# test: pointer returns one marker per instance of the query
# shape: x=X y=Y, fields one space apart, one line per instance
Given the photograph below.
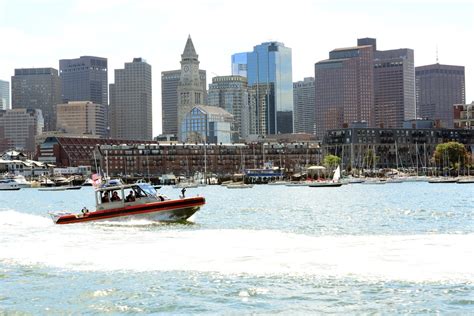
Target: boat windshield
x=148 y=189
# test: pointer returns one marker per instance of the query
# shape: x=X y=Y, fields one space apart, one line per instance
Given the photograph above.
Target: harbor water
x=398 y=248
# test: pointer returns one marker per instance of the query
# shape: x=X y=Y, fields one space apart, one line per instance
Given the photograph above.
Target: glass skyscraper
x=270 y=65
x=239 y=64
x=4 y=95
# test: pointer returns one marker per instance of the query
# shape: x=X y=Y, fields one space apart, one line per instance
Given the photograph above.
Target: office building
x=464 y=116
x=239 y=64
x=231 y=94
x=131 y=106
x=191 y=91
x=82 y=117
x=84 y=79
x=438 y=88
x=270 y=64
x=18 y=129
x=303 y=100
x=4 y=95
x=37 y=88
x=210 y=124
x=344 y=89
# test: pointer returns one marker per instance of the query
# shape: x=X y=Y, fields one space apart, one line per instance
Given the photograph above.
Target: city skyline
x=157 y=31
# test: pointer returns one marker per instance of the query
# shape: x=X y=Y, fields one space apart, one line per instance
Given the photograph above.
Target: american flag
x=96 y=180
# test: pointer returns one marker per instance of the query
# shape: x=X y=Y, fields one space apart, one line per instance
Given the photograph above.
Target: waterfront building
x=209 y=124
x=190 y=88
x=304 y=104
x=464 y=116
x=270 y=65
x=239 y=64
x=37 y=88
x=405 y=148
x=84 y=79
x=438 y=88
x=231 y=94
x=18 y=129
x=4 y=95
x=82 y=117
x=131 y=102
x=344 y=89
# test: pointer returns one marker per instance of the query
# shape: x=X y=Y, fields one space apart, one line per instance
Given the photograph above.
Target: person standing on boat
x=183 y=191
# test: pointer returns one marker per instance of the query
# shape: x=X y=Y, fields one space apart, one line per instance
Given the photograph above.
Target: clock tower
x=190 y=88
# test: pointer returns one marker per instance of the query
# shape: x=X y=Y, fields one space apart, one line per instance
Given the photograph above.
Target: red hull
x=154 y=207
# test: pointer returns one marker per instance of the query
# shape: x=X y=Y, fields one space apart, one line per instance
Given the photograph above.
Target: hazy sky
x=37 y=33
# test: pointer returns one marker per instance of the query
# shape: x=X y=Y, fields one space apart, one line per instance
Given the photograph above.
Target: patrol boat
x=142 y=202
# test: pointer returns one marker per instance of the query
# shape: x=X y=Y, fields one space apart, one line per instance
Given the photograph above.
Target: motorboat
x=239 y=185
x=185 y=185
x=142 y=202
x=88 y=183
x=443 y=180
x=8 y=185
x=466 y=180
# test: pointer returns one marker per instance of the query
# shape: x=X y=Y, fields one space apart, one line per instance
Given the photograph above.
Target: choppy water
x=394 y=248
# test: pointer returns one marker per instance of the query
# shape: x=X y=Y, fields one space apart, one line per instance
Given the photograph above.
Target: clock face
x=186 y=68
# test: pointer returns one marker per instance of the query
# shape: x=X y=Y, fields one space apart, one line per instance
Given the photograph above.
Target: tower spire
x=189 y=51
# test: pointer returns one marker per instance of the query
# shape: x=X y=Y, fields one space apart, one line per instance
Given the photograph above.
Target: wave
x=34 y=240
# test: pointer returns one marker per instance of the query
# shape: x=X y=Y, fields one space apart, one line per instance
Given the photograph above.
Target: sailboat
x=328 y=183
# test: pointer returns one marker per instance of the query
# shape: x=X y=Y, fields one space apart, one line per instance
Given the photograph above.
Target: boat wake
x=34 y=240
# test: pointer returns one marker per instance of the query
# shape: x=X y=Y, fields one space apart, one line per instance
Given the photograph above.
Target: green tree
x=451 y=155
x=331 y=161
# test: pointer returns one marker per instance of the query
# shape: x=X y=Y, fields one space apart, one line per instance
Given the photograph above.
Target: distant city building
x=438 y=88
x=261 y=100
x=131 y=102
x=270 y=64
x=303 y=100
x=84 y=79
x=394 y=86
x=4 y=95
x=190 y=88
x=37 y=88
x=210 y=124
x=239 y=64
x=231 y=94
x=344 y=89
x=82 y=117
x=18 y=129
x=464 y=116
x=169 y=98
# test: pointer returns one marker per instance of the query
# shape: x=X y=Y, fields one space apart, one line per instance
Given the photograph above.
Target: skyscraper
x=438 y=88
x=344 y=88
x=303 y=100
x=18 y=129
x=239 y=64
x=190 y=89
x=169 y=98
x=131 y=106
x=84 y=79
x=82 y=117
x=4 y=95
x=37 y=88
x=231 y=94
x=270 y=64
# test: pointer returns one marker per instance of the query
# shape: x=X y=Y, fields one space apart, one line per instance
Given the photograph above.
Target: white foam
x=29 y=239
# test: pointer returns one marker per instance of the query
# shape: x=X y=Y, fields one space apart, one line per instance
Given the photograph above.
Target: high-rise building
x=84 y=79
x=303 y=100
x=82 y=117
x=131 y=106
x=190 y=88
x=37 y=88
x=270 y=64
x=4 y=95
x=231 y=94
x=344 y=89
x=210 y=124
x=261 y=98
x=18 y=129
x=169 y=98
x=438 y=88
x=394 y=87
x=239 y=64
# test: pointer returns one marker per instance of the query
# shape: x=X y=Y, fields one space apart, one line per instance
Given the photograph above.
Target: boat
x=143 y=202
x=329 y=183
x=443 y=180
x=279 y=183
x=466 y=180
x=239 y=186
x=88 y=183
x=298 y=184
x=8 y=185
x=61 y=188
x=186 y=185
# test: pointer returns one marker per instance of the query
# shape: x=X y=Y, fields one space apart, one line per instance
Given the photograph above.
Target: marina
x=267 y=249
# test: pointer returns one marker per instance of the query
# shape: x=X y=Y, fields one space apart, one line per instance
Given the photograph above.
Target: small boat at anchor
x=142 y=202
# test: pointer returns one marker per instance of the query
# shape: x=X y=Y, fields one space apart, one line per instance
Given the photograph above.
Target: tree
x=451 y=155
x=331 y=161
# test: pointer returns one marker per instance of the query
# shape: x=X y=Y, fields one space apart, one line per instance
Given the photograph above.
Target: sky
x=37 y=33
